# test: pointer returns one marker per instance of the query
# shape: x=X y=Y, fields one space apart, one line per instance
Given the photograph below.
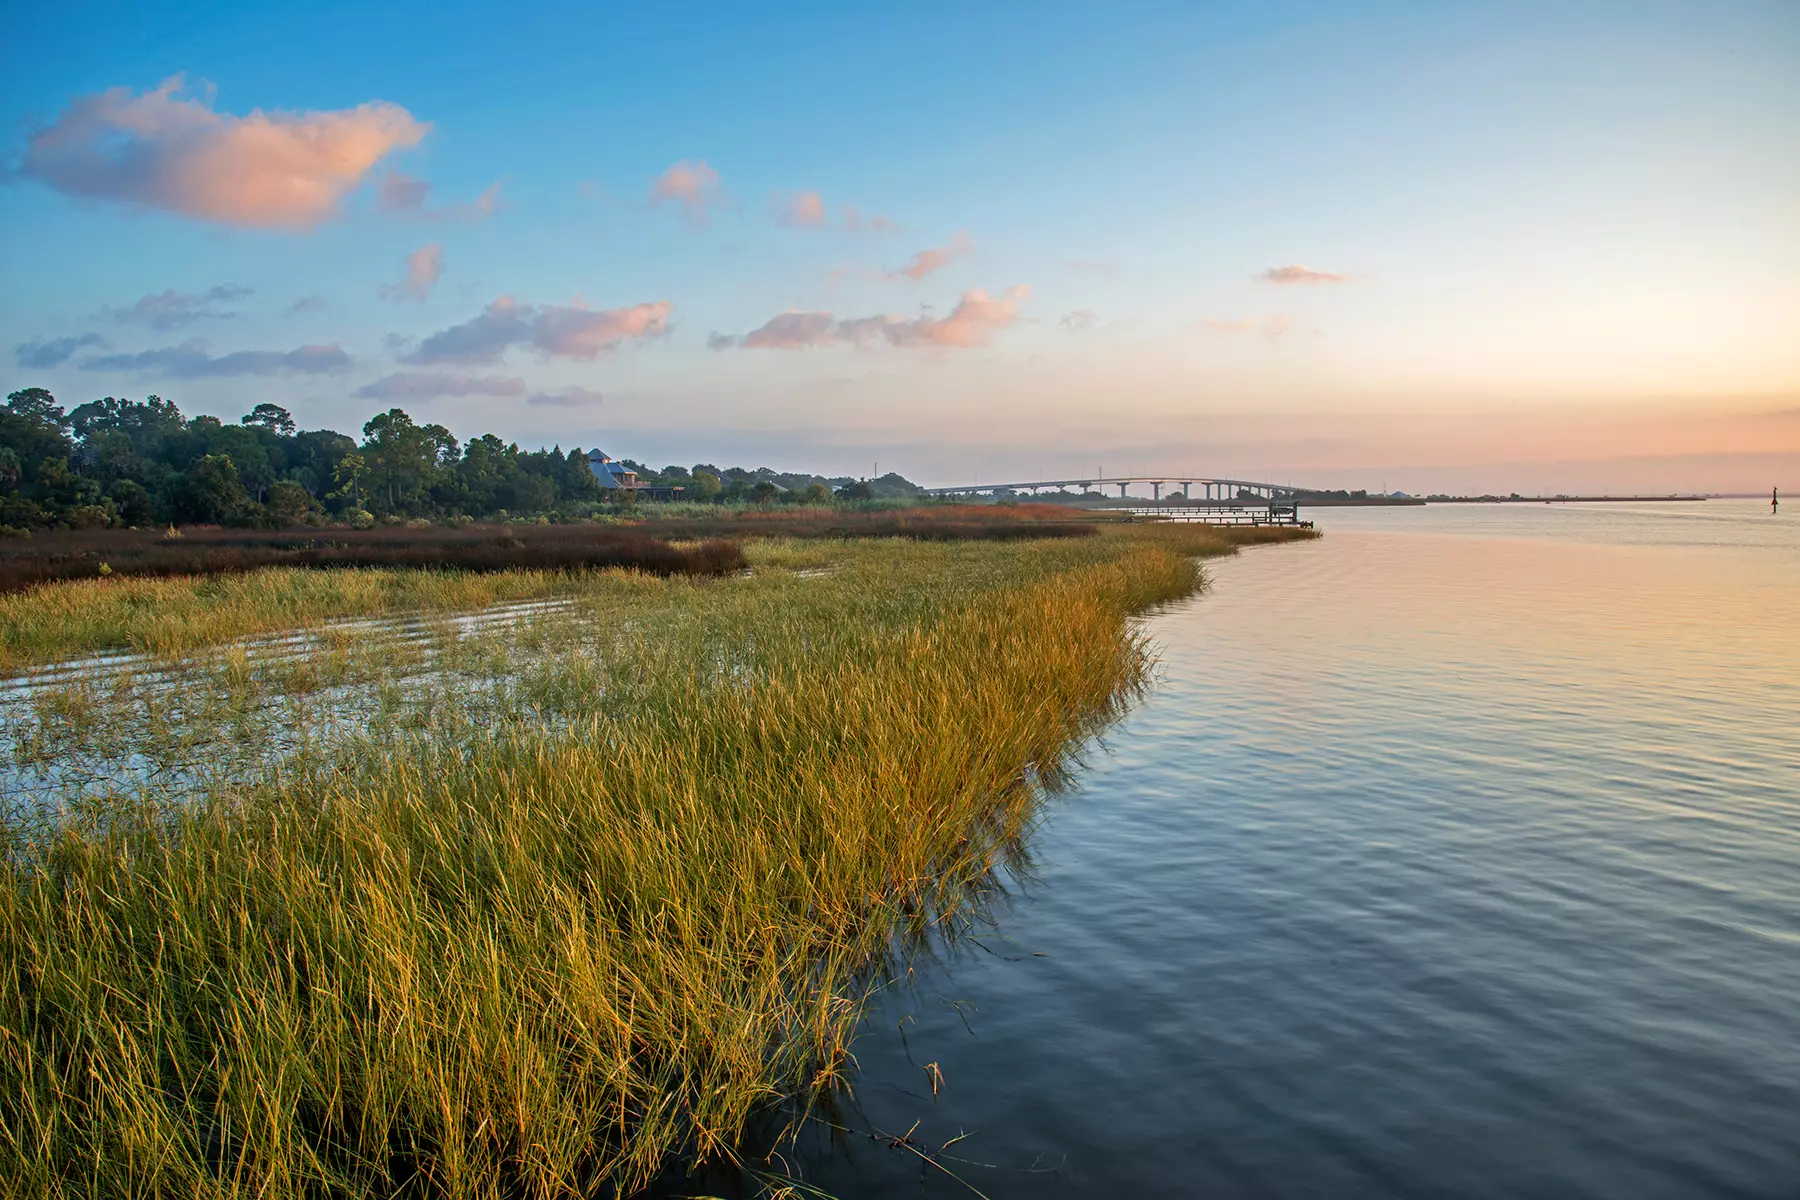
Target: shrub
x=290 y=504
x=70 y=555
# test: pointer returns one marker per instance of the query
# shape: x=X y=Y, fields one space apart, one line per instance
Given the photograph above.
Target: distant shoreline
x=1094 y=504
x=1557 y=499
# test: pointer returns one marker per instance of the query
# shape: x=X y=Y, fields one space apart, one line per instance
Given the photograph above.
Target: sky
x=1425 y=247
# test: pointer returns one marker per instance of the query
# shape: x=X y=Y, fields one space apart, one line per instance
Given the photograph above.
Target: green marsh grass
x=577 y=906
x=174 y=616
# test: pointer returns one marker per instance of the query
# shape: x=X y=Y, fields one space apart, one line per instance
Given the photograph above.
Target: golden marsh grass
x=549 y=941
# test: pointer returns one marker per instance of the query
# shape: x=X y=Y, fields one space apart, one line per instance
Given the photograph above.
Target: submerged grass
x=167 y=617
x=551 y=953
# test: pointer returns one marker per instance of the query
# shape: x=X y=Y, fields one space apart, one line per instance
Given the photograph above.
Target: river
x=1454 y=854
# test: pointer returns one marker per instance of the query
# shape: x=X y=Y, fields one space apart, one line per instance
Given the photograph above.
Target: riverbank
x=580 y=896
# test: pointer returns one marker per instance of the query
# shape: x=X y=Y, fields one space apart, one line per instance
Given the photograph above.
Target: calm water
x=1458 y=854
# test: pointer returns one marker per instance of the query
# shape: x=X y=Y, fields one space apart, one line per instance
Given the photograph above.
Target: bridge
x=1221 y=501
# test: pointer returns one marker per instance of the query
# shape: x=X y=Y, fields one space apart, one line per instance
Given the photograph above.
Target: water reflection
x=1441 y=863
x=76 y=731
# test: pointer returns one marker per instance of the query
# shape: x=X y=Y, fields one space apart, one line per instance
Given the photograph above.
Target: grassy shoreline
x=550 y=954
x=166 y=598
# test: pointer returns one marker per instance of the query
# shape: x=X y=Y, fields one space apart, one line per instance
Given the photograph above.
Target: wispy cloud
x=874 y=222
x=802 y=210
x=934 y=259
x=164 y=149
x=1096 y=266
x=974 y=321
x=1299 y=274
x=693 y=186
x=171 y=309
x=1079 y=320
x=553 y=330
x=306 y=304
x=429 y=385
x=193 y=360
x=569 y=397
x=407 y=196
x=808 y=210
x=400 y=192
x=424 y=267
x=42 y=353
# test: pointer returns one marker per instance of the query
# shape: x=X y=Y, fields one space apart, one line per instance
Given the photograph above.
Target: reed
x=598 y=930
x=178 y=615
x=168 y=597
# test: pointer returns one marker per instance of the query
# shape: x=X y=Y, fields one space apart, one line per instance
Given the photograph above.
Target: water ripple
x=1457 y=854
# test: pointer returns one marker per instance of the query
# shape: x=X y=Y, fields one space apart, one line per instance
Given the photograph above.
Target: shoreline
x=588 y=894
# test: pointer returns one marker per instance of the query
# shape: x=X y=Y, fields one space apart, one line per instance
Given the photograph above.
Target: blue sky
x=1314 y=240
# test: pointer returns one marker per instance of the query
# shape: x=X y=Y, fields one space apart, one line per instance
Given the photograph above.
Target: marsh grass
x=164 y=613
x=168 y=618
x=578 y=899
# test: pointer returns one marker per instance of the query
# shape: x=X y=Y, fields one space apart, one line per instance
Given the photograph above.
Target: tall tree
x=36 y=403
x=393 y=448
x=271 y=417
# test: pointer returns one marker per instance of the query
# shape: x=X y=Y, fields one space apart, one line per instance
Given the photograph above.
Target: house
x=612 y=475
x=617 y=478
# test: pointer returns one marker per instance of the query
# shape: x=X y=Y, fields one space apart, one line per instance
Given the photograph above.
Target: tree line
x=130 y=463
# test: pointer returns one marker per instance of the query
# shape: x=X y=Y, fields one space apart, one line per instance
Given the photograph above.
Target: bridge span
x=1214 y=489
x=1220 y=502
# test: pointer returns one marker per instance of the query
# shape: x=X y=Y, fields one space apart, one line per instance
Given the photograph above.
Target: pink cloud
x=405 y=195
x=428 y=385
x=793 y=331
x=803 y=210
x=974 y=321
x=582 y=333
x=1299 y=274
x=926 y=261
x=555 y=331
x=692 y=185
x=424 y=267
x=161 y=149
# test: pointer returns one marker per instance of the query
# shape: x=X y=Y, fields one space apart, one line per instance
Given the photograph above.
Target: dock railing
x=1230 y=513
